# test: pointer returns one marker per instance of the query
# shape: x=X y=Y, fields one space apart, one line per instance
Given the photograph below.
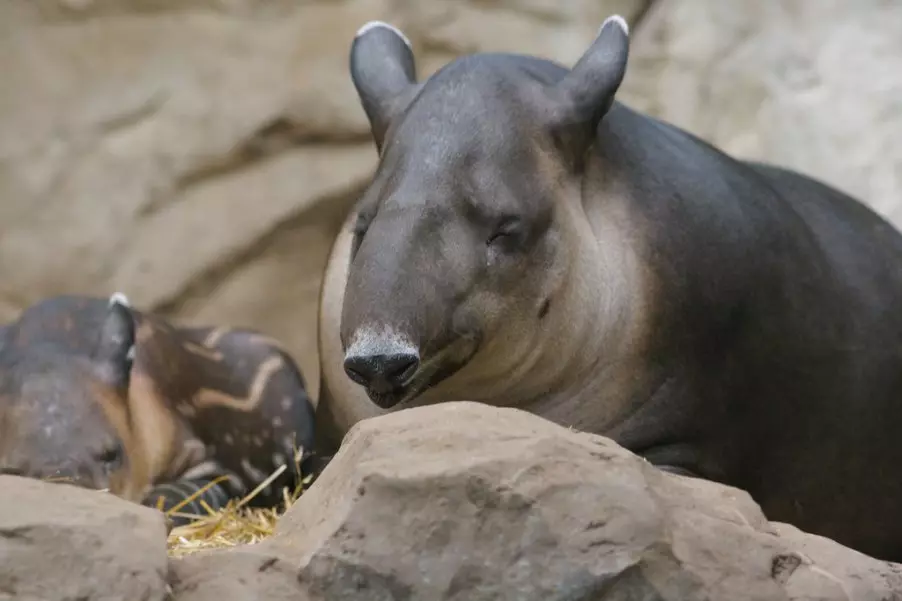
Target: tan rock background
x=198 y=155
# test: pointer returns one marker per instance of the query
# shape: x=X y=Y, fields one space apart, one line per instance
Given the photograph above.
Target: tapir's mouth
x=441 y=366
x=387 y=400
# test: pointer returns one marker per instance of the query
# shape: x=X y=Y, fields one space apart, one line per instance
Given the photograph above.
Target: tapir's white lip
x=431 y=370
x=463 y=348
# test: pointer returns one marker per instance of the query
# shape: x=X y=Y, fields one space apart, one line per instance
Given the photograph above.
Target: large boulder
x=199 y=155
x=61 y=542
x=466 y=501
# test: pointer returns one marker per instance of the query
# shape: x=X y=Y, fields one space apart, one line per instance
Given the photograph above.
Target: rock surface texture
x=454 y=501
x=60 y=542
x=199 y=154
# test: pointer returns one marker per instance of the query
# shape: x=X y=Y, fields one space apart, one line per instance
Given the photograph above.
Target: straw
x=235 y=524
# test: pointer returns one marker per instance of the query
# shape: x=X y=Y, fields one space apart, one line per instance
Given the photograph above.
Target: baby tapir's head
x=64 y=374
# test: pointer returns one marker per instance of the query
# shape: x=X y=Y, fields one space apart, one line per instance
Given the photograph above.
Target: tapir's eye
x=112 y=457
x=361 y=225
x=508 y=234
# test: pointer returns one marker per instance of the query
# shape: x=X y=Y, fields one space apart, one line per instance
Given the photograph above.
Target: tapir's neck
x=587 y=346
x=588 y=364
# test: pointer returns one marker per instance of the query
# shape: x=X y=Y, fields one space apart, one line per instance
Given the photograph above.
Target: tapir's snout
x=382 y=372
x=383 y=367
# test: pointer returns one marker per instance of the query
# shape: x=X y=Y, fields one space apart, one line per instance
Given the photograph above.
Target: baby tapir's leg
x=203 y=487
x=167 y=496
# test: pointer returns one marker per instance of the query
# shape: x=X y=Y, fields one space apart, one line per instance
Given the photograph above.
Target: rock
x=199 y=155
x=59 y=541
x=467 y=501
x=238 y=574
x=810 y=84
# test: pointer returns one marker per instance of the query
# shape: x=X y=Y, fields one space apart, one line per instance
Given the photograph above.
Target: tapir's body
x=106 y=396
x=722 y=318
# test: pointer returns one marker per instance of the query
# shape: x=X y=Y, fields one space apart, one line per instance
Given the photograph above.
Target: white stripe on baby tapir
x=369 y=341
x=202 y=470
x=252 y=471
x=236 y=481
x=186 y=410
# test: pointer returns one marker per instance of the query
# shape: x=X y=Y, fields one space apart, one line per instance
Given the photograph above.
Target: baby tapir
x=99 y=394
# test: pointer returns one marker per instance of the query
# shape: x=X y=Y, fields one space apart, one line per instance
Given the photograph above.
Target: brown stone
x=465 y=501
x=239 y=574
x=61 y=542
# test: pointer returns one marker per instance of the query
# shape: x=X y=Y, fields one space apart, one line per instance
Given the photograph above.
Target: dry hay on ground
x=235 y=524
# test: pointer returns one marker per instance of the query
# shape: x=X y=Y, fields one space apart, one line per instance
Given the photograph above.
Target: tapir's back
x=778 y=302
x=849 y=404
x=859 y=241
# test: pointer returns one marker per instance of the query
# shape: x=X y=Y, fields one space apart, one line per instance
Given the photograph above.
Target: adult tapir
x=529 y=241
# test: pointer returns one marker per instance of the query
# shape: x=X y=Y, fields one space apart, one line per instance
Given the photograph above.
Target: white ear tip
x=619 y=21
x=117 y=298
x=375 y=24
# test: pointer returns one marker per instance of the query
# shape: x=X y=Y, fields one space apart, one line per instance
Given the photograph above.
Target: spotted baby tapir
x=99 y=394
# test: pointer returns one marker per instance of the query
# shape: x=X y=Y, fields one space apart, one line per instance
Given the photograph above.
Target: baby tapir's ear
x=582 y=98
x=115 y=348
x=382 y=69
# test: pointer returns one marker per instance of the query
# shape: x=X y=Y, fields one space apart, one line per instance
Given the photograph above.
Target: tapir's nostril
x=382 y=372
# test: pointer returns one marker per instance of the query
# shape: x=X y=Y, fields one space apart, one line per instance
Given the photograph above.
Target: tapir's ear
x=585 y=94
x=115 y=348
x=382 y=68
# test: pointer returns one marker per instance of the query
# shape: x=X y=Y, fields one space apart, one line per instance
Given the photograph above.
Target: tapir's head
x=63 y=411
x=465 y=238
